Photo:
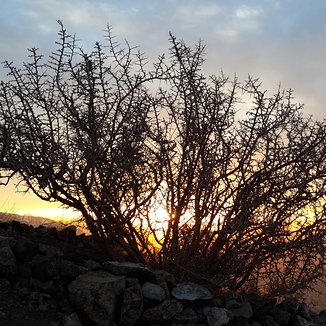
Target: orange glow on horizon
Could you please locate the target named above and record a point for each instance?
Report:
(57, 214)
(27, 203)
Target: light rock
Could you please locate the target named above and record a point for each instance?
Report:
(96, 294)
(191, 292)
(153, 292)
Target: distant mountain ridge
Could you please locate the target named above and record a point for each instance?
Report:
(36, 221)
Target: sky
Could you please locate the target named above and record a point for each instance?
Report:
(279, 42)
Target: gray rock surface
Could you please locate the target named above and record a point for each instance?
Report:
(153, 292)
(162, 312)
(132, 307)
(41, 283)
(129, 270)
(8, 268)
(96, 294)
(187, 316)
(243, 309)
(72, 320)
(191, 292)
(216, 316)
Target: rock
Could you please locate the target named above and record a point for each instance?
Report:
(92, 265)
(46, 250)
(46, 231)
(16, 225)
(162, 312)
(96, 294)
(216, 316)
(163, 276)
(24, 250)
(71, 270)
(304, 311)
(187, 316)
(290, 305)
(24, 292)
(7, 241)
(45, 268)
(153, 292)
(281, 317)
(304, 322)
(166, 289)
(132, 270)
(261, 305)
(268, 320)
(320, 320)
(132, 306)
(72, 320)
(130, 282)
(4, 285)
(231, 295)
(66, 234)
(8, 268)
(44, 286)
(243, 309)
(191, 292)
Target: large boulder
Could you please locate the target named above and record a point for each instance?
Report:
(96, 295)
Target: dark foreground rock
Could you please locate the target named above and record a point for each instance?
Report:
(51, 278)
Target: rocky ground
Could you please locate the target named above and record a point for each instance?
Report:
(51, 277)
(19, 306)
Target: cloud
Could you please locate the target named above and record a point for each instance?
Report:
(245, 12)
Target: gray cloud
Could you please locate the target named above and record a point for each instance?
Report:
(278, 41)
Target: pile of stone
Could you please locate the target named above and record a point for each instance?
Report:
(115, 293)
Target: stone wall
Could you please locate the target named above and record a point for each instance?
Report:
(109, 293)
